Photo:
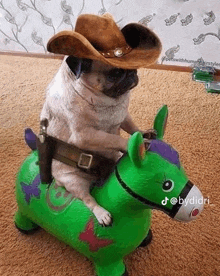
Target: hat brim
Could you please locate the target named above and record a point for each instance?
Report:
(146, 47)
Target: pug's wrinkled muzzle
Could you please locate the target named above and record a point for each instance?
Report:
(134, 77)
(127, 82)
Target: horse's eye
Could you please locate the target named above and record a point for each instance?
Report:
(168, 186)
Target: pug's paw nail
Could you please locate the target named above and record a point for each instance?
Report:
(104, 217)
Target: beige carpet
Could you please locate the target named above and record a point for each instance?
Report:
(193, 129)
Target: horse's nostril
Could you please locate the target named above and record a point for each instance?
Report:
(194, 212)
(192, 206)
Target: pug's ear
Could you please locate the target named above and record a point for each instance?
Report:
(79, 65)
(75, 64)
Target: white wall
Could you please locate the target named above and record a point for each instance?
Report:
(189, 29)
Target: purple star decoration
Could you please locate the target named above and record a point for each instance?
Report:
(31, 190)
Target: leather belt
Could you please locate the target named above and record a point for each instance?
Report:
(52, 148)
(73, 156)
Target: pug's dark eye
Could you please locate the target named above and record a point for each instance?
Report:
(168, 186)
(115, 74)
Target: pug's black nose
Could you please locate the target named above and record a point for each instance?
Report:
(132, 75)
(132, 72)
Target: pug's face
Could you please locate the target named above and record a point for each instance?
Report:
(104, 78)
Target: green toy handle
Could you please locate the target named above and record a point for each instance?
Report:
(160, 121)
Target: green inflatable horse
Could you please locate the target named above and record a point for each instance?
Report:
(141, 180)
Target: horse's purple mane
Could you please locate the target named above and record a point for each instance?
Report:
(165, 151)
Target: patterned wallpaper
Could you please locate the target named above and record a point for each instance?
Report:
(189, 29)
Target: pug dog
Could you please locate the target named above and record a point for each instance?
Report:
(87, 106)
(87, 101)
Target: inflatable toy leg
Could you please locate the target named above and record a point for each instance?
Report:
(113, 269)
(126, 273)
(24, 224)
(147, 240)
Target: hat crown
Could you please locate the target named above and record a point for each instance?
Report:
(101, 31)
(99, 38)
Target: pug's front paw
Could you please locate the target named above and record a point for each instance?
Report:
(104, 217)
(149, 134)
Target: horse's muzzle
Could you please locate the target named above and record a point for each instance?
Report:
(190, 206)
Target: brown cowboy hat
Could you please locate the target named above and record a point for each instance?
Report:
(98, 37)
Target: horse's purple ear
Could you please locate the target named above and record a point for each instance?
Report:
(136, 149)
(30, 138)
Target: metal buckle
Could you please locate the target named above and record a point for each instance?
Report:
(81, 161)
(43, 130)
